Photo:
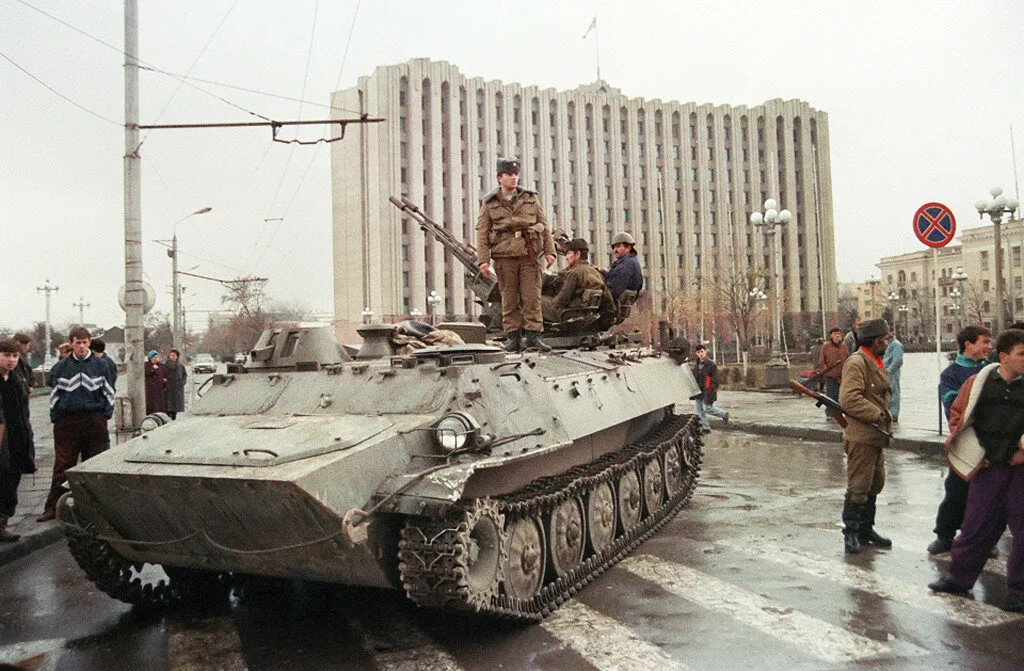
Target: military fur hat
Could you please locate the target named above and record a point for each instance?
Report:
(508, 165)
(872, 328)
(578, 245)
(622, 236)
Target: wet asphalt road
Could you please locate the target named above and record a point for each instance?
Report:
(749, 575)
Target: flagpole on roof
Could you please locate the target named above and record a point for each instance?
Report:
(597, 44)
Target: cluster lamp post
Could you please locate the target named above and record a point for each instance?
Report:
(367, 315)
(996, 208)
(433, 301)
(777, 370)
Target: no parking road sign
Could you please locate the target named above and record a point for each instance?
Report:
(934, 224)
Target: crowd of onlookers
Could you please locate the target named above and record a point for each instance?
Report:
(82, 386)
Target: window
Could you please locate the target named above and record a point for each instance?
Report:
(984, 260)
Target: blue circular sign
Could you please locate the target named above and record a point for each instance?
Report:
(934, 224)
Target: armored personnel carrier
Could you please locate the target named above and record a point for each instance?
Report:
(471, 478)
(474, 479)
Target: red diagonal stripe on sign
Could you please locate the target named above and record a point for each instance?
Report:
(934, 223)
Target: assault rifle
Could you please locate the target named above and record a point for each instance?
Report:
(822, 400)
(828, 401)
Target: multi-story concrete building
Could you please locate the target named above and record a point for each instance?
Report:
(915, 276)
(682, 178)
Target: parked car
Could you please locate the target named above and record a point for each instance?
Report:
(204, 364)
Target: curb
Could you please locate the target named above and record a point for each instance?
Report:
(929, 448)
(29, 543)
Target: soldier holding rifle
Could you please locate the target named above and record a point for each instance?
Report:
(512, 229)
(864, 396)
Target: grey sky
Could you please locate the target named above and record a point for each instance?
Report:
(920, 97)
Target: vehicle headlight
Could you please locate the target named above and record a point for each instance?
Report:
(454, 430)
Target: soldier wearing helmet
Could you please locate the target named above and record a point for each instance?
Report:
(624, 275)
(512, 230)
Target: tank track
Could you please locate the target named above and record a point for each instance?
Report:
(120, 578)
(434, 553)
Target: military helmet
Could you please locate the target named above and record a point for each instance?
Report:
(622, 236)
(508, 165)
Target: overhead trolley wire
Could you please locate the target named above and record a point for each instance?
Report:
(58, 93)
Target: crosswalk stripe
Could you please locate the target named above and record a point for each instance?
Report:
(604, 642)
(958, 609)
(906, 543)
(43, 654)
(820, 639)
(205, 644)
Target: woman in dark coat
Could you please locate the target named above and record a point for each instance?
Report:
(156, 384)
(177, 374)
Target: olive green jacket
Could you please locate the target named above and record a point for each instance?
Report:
(864, 395)
(577, 279)
(504, 227)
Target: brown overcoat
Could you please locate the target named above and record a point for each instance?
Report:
(504, 226)
(864, 395)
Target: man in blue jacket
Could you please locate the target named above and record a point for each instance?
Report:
(81, 402)
(625, 274)
(975, 343)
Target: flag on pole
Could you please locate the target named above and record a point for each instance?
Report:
(592, 26)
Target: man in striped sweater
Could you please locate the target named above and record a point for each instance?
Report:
(81, 402)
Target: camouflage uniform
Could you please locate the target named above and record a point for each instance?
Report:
(514, 233)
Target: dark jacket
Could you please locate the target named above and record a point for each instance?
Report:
(504, 227)
(177, 374)
(80, 386)
(624, 275)
(953, 378)
(156, 388)
(706, 374)
(17, 447)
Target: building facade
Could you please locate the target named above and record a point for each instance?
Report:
(682, 178)
(916, 278)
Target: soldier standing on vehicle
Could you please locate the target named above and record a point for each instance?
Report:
(512, 229)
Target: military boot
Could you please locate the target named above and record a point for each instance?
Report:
(867, 534)
(533, 341)
(5, 535)
(851, 529)
(514, 342)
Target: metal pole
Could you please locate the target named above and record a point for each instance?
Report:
(81, 305)
(997, 221)
(47, 289)
(175, 292)
(135, 294)
(777, 311)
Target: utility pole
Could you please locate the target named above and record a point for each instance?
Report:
(135, 293)
(47, 289)
(81, 309)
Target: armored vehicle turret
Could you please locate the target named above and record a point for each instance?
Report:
(473, 479)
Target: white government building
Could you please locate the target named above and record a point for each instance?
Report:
(682, 178)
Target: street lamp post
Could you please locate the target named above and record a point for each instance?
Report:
(872, 282)
(47, 289)
(757, 298)
(777, 370)
(367, 315)
(959, 276)
(415, 314)
(894, 298)
(175, 289)
(433, 301)
(997, 207)
(903, 309)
